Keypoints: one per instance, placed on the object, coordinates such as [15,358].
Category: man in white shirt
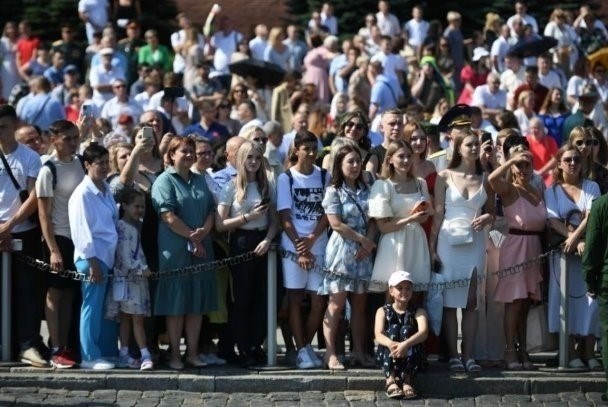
[16,205]
[224,42]
[300,122]
[248,117]
[95,14]
[489,97]
[521,11]
[102,76]
[416,28]
[546,75]
[120,104]
[177,41]
[328,19]
[500,48]
[513,76]
[393,65]
[258,44]
[387,22]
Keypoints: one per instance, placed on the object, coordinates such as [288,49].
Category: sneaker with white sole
[97,364]
[304,361]
[32,357]
[146,364]
[314,357]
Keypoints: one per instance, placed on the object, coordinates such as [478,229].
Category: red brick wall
[245,13]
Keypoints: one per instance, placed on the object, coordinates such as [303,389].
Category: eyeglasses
[569,160]
[358,126]
[224,106]
[579,143]
[260,139]
[204,153]
[522,165]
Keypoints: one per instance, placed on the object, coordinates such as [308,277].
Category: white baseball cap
[399,276]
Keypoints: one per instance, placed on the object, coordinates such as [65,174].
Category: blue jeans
[98,336]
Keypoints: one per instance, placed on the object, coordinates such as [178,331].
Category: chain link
[316,268]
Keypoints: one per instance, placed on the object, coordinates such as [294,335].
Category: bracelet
[243,218]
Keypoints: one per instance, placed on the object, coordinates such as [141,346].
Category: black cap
[458,115]
[512,141]
[7,111]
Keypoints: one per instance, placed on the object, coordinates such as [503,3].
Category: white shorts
[296,278]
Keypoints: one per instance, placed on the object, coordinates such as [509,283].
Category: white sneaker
[98,364]
[313,356]
[304,361]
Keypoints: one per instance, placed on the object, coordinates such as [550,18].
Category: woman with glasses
[237,95]
[568,203]
[525,214]
[224,110]
[354,126]
[247,209]
[583,139]
[554,112]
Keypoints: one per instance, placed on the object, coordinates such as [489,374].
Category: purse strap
[363,214]
[8,170]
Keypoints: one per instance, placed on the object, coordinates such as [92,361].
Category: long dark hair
[457,157]
[364,143]
[337,178]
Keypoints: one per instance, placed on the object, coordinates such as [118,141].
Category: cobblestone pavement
[34,396]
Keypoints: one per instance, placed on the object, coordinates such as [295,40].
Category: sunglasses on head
[580,143]
[260,139]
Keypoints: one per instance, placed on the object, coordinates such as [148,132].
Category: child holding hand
[400,329]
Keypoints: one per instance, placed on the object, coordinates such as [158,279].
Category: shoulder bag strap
[8,170]
[352,198]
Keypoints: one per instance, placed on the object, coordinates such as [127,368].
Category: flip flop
[393,391]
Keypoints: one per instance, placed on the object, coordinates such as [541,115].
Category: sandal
[472,367]
[393,391]
[455,365]
[526,363]
[514,364]
[408,392]
[333,363]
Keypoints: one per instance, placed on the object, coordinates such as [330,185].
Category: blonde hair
[240,181]
[388,171]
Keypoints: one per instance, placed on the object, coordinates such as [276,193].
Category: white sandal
[472,366]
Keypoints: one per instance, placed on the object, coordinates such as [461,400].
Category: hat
[458,115]
[589,92]
[125,119]
[399,276]
[106,51]
[479,53]
[70,69]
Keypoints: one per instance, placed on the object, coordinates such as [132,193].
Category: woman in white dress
[9,74]
[400,203]
[458,242]
[568,203]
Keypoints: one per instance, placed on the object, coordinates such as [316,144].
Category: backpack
[53,168]
[323,177]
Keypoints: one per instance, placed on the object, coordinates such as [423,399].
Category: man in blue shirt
[207,127]
[42,109]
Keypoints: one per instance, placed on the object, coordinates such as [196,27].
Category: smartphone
[191,247]
[420,206]
[485,137]
[147,133]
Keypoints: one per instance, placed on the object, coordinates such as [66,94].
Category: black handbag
[23,193]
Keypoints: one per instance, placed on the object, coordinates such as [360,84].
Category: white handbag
[460,231]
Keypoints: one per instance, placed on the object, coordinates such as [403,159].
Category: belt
[525,232]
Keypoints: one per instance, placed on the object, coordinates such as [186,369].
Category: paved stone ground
[40,396]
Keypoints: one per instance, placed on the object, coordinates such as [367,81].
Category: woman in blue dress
[348,254]
[186,209]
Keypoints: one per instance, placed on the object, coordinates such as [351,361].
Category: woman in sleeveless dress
[396,204]
[458,242]
[525,214]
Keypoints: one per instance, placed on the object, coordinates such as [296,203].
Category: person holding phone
[247,209]
[400,203]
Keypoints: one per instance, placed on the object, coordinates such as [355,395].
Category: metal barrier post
[16,245]
[272,307]
[564,338]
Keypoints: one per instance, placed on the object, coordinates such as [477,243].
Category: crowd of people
[403,158]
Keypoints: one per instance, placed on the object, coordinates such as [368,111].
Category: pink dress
[518,248]
[317,72]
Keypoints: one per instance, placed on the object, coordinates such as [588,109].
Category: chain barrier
[316,268]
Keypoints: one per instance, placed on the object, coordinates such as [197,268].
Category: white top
[69,175]
[25,165]
[99,76]
[93,218]
[304,199]
[575,86]
[257,47]
[391,63]
[97,11]
[527,19]
[500,48]
[252,198]
[177,40]
[416,31]
[388,24]
[113,108]
[550,80]
[225,46]
[482,97]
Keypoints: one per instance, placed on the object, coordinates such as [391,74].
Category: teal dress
[192,202]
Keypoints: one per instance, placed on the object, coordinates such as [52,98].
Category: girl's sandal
[408,392]
[393,391]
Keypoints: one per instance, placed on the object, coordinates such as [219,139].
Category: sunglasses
[580,143]
[569,160]
[357,126]
[260,139]
[522,165]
